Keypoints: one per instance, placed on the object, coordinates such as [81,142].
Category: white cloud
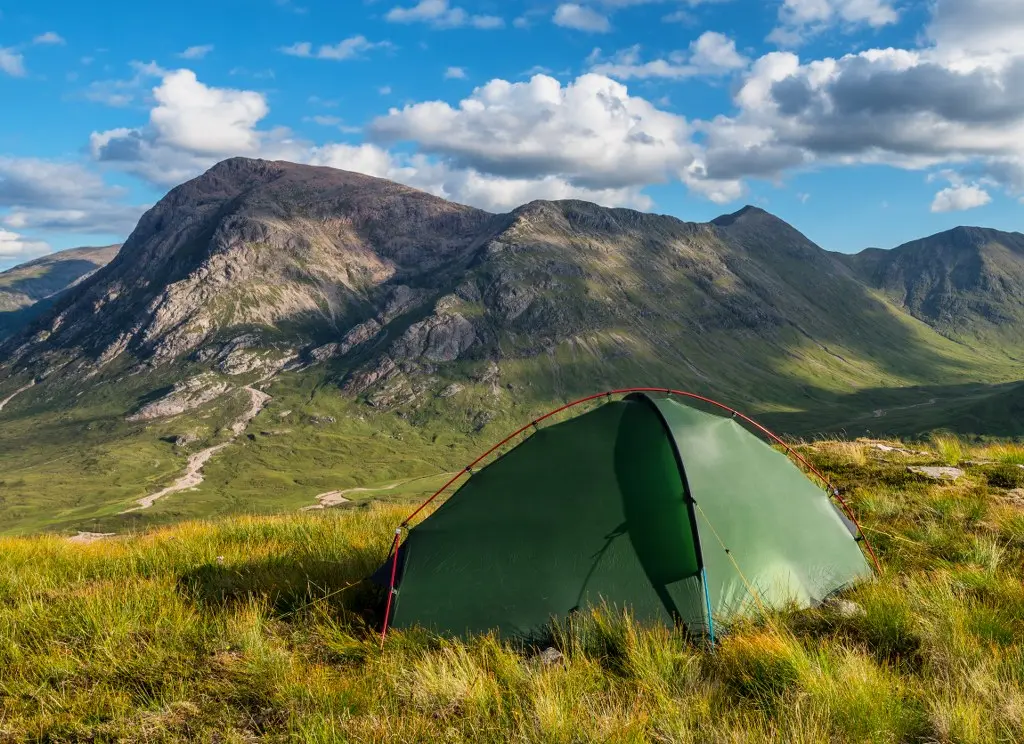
[710,54]
[590,132]
[119,93]
[960,198]
[203,120]
[347,49]
[466,185]
[196,52]
[50,37]
[439,14]
[581,18]
[384,90]
[800,18]
[325,121]
[56,196]
[13,245]
[12,62]
[455,73]
[957,102]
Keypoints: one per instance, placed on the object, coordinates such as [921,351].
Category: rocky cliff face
[252,243]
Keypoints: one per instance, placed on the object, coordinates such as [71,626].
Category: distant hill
[29,283]
[967,282]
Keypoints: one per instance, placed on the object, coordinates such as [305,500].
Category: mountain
[337,330]
[967,282]
[30,283]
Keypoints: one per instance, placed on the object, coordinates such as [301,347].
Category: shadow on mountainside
[970,410]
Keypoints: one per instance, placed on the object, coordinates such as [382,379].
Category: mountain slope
[396,333]
[967,282]
[29,283]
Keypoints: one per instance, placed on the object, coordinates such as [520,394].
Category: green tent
[643,504]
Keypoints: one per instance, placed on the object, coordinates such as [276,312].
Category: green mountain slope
[25,288]
[968,282]
[396,334]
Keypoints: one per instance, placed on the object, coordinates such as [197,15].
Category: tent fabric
[627,506]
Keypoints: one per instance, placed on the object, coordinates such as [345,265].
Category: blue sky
[861,122]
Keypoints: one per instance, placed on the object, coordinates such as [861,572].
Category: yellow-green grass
[259,628]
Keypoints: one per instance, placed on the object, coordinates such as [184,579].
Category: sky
[861,122]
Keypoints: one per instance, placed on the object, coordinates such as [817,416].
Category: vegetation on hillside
[261,628]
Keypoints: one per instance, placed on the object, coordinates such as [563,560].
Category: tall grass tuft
[949,447]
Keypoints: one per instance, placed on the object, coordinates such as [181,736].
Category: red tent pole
[391,586]
[621,391]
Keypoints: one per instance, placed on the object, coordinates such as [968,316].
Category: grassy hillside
[259,629]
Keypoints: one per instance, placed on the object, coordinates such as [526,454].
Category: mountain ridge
[395,331]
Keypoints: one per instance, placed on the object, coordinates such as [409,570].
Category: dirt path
[85,538]
[11,397]
[333,498]
[193,474]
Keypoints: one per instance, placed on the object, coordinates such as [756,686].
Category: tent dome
[644,504]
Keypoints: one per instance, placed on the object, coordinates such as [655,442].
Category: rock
[469,291]
[550,656]
[401,300]
[453,389]
[439,338]
[889,448]
[184,396]
[359,335]
[490,373]
[845,608]
[360,381]
[482,419]
[1014,497]
[240,361]
[319,420]
[937,472]
[85,538]
[184,440]
[322,353]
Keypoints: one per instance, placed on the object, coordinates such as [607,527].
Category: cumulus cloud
[800,18]
[439,14]
[347,49]
[590,132]
[711,53]
[455,73]
[960,198]
[193,126]
[581,18]
[13,245]
[196,52]
[953,102]
[467,185]
[12,62]
[50,37]
[53,196]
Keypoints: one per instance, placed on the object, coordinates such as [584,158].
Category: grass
[259,628]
